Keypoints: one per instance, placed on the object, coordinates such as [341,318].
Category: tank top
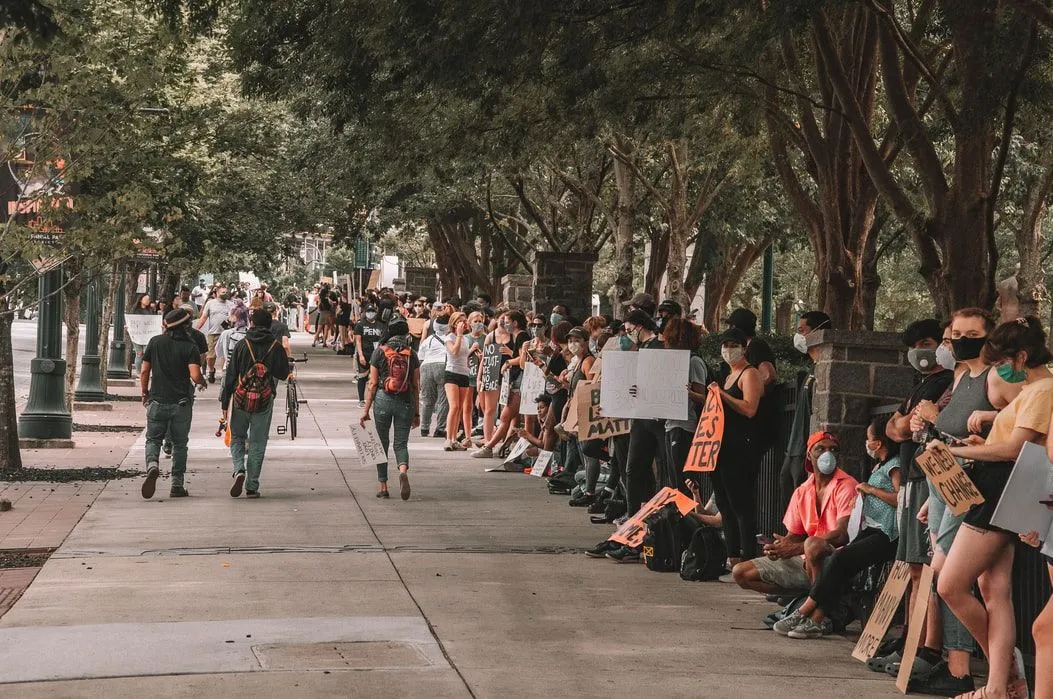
[968,396]
[738,429]
[458,364]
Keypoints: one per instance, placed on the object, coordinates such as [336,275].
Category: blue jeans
[253,428]
[174,420]
[944,525]
[138,349]
[388,411]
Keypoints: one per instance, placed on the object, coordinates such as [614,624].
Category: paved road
[472,588]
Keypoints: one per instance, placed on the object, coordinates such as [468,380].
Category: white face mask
[731,355]
[800,343]
[574,347]
[872,453]
[945,357]
[827,463]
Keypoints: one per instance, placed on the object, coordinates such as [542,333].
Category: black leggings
[870,547]
[619,454]
[363,381]
[646,443]
[677,445]
[735,490]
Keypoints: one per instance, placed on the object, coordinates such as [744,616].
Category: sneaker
[254,494]
[598,506]
[477,431]
[583,500]
[624,554]
[922,667]
[178,491]
[879,662]
[150,484]
[166,447]
[447,445]
[483,453]
[404,489]
[808,630]
[601,549]
[457,446]
[788,623]
[361,404]
[941,683]
[424,432]
[212,377]
[239,481]
[726,578]
[619,521]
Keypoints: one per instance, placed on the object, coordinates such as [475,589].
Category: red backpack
[398,378]
[255,388]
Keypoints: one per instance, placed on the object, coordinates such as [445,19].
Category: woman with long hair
[680,333]
[513,355]
[456,383]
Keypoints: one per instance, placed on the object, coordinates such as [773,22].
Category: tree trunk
[657,261]
[71,316]
[623,232]
[1030,277]
[106,320]
[10,456]
[723,279]
[169,286]
[679,224]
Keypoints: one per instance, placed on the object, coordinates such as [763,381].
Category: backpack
[662,547]
[398,378]
[704,557]
[233,339]
[255,387]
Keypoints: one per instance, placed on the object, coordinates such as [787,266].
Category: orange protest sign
[705,447]
[416,326]
[631,533]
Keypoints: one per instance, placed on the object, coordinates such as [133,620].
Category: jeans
[433,396]
[871,547]
[944,525]
[592,468]
[646,443]
[388,411]
[677,445]
[138,349]
[254,428]
[173,419]
[619,448]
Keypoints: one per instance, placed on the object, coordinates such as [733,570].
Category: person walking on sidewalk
[213,316]
[432,355]
[256,366]
[170,363]
[393,393]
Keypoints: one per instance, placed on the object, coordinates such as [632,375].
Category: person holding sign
[735,478]
[982,552]
[513,355]
[143,306]
[682,334]
[393,393]
[488,380]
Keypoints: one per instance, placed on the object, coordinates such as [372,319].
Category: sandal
[980,693]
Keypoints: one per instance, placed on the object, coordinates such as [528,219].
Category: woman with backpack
[393,392]
[239,328]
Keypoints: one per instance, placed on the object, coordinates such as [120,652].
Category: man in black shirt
[368,332]
[279,330]
[170,362]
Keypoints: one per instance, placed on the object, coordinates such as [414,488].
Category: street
[474,587]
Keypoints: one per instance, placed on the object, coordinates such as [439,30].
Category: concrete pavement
[474,587]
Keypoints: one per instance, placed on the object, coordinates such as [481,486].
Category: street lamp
[89,385]
[117,367]
[45,415]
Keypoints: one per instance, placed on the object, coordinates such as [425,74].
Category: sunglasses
[537,325]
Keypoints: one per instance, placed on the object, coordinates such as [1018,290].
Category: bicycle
[292,400]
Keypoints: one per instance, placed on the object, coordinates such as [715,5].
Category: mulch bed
[22,559]
[67,475]
[77,427]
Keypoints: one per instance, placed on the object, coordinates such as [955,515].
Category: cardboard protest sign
[368,448]
[570,423]
[416,326]
[518,449]
[142,327]
[661,384]
[619,375]
[884,611]
[541,463]
[592,423]
[916,623]
[491,367]
[632,532]
[533,386]
[506,390]
[1019,509]
[705,445]
[947,475]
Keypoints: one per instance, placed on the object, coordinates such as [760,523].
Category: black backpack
[662,546]
[705,556]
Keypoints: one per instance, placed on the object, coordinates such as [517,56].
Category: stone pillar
[45,416]
[421,281]
[517,291]
[564,278]
[89,385]
[855,372]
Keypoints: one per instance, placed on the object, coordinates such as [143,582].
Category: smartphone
[764,539]
[1047,503]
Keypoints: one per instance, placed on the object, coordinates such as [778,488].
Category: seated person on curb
[875,543]
[816,522]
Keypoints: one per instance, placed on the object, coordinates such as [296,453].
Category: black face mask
[966,348]
[442,320]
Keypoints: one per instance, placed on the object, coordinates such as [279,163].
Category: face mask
[574,347]
[441,328]
[966,348]
[945,357]
[871,452]
[442,320]
[594,346]
[800,343]
[922,359]
[478,327]
[625,342]
[827,463]
[731,355]
[660,320]
[1009,374]
[370,315]
[504,325]
[555,318]
[534,330]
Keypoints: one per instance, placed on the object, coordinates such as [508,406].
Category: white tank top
[458,364]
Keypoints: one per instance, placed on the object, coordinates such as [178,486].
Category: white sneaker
[483,453]
[788,623]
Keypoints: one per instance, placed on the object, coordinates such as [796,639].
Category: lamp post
[117,367]
[45,415]
[767,289]
[89,385]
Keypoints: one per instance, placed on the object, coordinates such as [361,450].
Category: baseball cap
[269,306]
[814,439]
[644,301]
[735,335]
[744,319]
[641,318]
[670,306]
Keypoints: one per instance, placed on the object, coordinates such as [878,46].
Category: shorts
[990,479]
[325,318]
[343,321]
[785,573]
[943,523]
[912,545]
[212,341]
[459,380]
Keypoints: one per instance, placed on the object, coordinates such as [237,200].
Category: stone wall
[421,281]
[563,278]
[517,291]
[855,372]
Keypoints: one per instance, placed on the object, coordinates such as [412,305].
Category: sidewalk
[474,587]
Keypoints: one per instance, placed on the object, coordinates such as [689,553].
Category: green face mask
[1007,373]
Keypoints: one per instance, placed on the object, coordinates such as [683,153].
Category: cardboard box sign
[949,478]
[592,424]
[705,446]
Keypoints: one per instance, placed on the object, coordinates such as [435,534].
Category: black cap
[744,319]
[642,318]
[670,306]
[644,301]
[176,317]
[369,307]
[398,326]
[578,332]
[735,335]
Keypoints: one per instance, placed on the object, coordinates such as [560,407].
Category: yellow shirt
[1032,409]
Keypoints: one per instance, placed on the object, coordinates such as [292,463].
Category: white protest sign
[533,386]
[506,390]
[1019,509]
[541,463]
[661,384]
[518,449]
[368,448]
[619,375]
[855,521]
[142,327]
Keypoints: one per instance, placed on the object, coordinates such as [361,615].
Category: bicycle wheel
[292,407]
